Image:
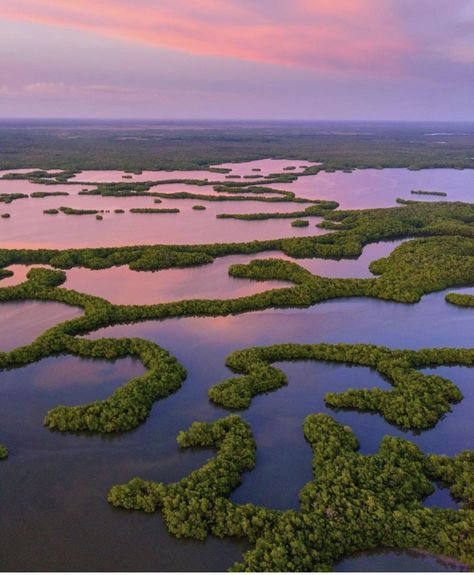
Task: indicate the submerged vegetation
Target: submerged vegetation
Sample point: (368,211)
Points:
(3,451)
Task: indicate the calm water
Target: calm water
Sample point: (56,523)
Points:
(121,285)
(380,188)
(29,227)
(53,486)
(22,322)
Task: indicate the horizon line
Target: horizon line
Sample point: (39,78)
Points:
(245,120)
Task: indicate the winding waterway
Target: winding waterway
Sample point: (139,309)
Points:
(53,487)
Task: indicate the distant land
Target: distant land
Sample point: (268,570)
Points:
(189,144)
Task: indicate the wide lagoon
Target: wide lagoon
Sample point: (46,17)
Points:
(54,485)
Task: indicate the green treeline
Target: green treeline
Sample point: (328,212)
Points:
(320,209)
(154,211)
(228,192)
(350,232)
(191,148)
(354,503)
(299,224)
(9,198)
(47,194)
(77,212)
(414,268)
(428,193)
(417,401)
(129,405)
(460,299)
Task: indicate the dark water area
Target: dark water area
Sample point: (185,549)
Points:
(277,417)
(53,487)
(405,561)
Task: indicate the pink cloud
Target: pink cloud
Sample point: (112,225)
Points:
(44,88)
(60,88)
(327,35)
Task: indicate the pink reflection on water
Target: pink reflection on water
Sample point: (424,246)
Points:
(145,176)
(140,229)
(121,285)
(380,188)
(22,322)
(29,227)
(265,167)
(76,373)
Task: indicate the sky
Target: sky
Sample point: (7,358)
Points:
(238,59)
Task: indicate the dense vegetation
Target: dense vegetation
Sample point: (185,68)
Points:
(460,299)
(428,193)
(416,267)
(3,451)
(77,212)
(319,209)
(129,405)
(199,145)
(154,210)
(350,232)
(236,192)
(417,401)
(9,198)
(354,503)
(47,194)
(299,223)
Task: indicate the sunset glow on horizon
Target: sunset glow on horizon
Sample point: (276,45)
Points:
(291,59)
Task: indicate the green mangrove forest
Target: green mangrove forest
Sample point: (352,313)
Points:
(427,193)
(417,401)
(354,502)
